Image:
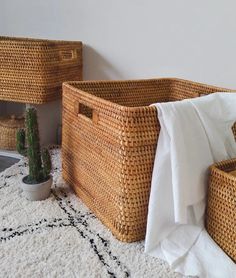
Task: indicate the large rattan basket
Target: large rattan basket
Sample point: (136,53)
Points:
(109,141)
(8,130)
(32,71)
(221,206)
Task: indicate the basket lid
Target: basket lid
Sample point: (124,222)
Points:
(12,121)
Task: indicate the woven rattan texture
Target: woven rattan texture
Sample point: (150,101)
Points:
(32,71)
(109,141)
(8,130)
(221,206)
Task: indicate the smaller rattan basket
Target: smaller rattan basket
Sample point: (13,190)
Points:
(221,206)
(8,130)
(32,70)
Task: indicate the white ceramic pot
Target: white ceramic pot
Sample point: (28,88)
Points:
(38,191)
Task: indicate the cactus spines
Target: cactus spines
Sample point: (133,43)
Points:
(20,139)
(46,160)
(39,162)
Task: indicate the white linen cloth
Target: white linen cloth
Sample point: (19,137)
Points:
(194,134)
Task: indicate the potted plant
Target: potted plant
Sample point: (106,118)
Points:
(36,185)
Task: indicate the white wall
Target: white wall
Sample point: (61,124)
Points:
(11,108)
(127,39)
(2,109)
(136,38)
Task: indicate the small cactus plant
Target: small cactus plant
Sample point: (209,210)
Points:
(39,160)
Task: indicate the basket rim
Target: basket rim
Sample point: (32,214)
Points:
(36,41)
(172,79)
(71,85)
(106,102)
(215,168)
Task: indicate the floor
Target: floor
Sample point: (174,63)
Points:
(6,162)
(60,237)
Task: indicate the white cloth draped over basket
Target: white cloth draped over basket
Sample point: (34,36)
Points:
(194,134)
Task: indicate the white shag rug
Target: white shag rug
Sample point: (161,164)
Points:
(60,237)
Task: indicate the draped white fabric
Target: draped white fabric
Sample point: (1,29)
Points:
(194,134)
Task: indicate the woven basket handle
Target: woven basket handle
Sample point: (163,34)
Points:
(69,55)
(84,110)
